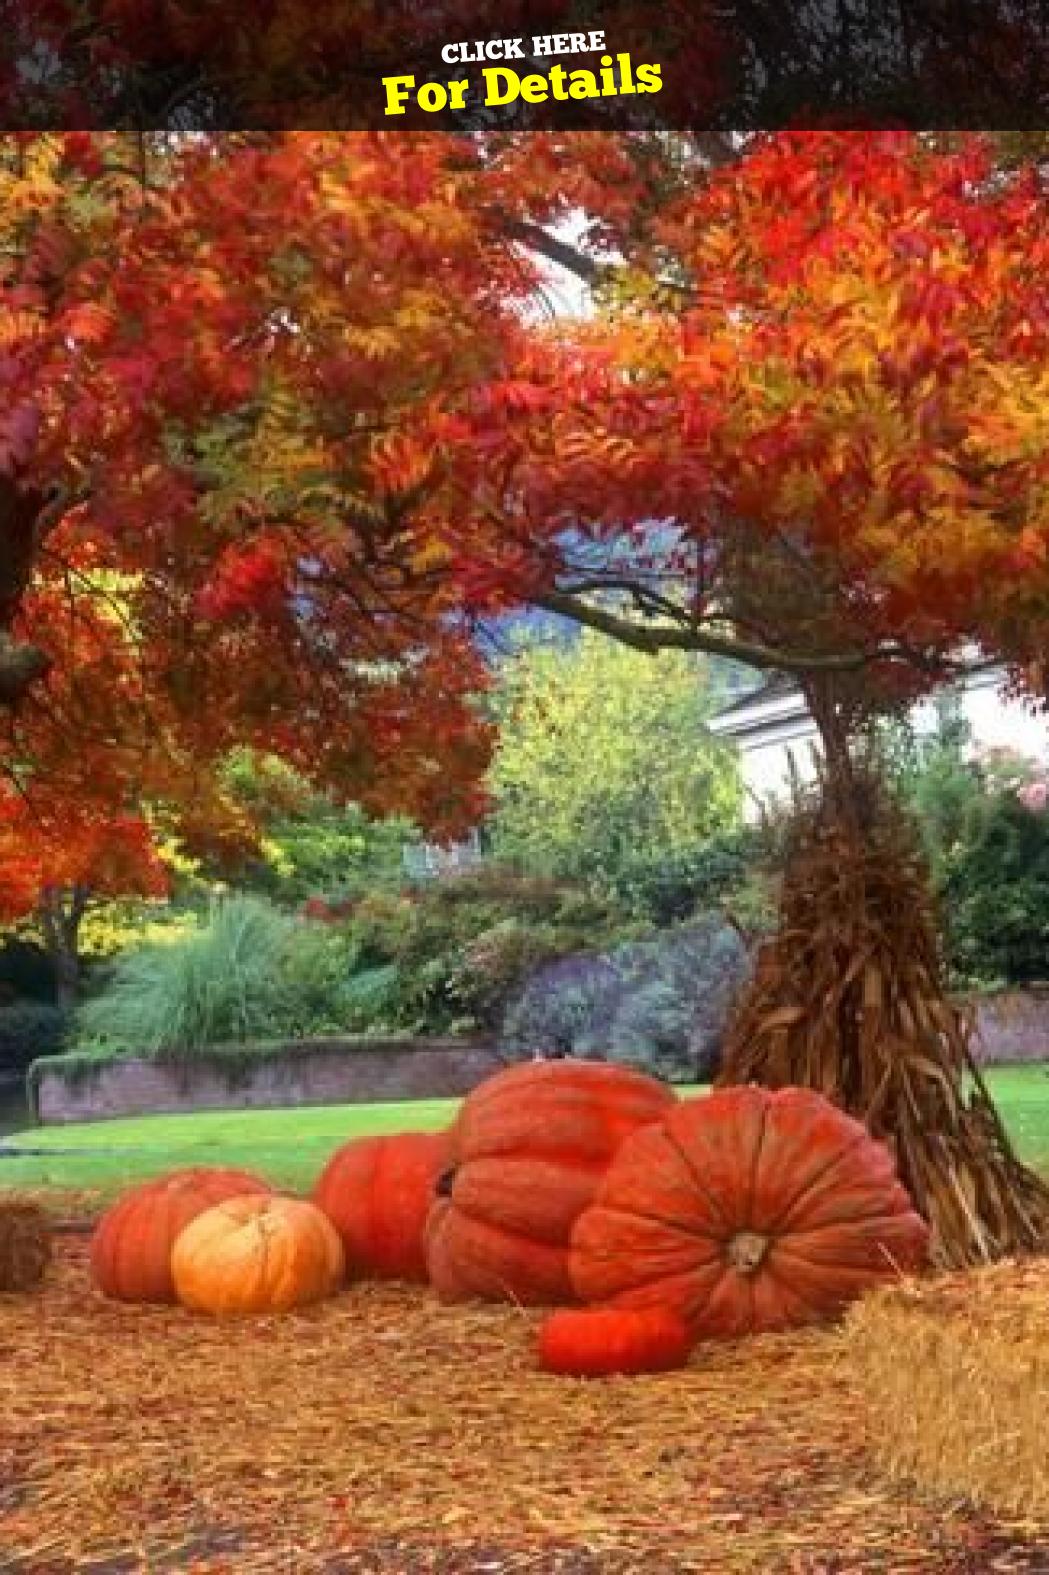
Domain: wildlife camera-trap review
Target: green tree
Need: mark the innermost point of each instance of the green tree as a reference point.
(603, 754)
(310, 845)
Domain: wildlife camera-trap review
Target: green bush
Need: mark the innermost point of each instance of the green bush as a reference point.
(29, 1029)
(445, 956)
(250, 973)
(313, 846)
(988, 853)
(725, 872)
(995, 894)
(26, 971)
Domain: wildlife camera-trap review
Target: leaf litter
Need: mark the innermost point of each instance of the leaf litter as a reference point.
(381, 1432)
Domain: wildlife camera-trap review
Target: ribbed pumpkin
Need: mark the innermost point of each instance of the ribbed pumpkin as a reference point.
(747, 1211)
(257, 1255)
(593, 1342)
(529, 1149)
(131, 1245)
(377, 1192)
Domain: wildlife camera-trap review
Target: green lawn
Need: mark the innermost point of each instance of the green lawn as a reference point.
(290, 1146)
(287, 1146)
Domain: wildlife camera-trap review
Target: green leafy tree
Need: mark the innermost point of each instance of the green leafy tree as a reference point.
(310, 844)
(603, 753)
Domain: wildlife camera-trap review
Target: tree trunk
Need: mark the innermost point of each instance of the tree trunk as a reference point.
(849, 998)
(61, 911)
(24, 521)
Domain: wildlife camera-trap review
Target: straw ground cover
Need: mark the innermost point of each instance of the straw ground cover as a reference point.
(965, 1412)
(382, 1432)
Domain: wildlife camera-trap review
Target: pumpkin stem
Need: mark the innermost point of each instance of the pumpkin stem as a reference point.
(746, 1251)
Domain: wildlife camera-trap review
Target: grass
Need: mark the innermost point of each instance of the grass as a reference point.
(287, 1146)
(290, 1146)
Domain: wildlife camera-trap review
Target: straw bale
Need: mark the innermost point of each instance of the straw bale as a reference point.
(954, 1377)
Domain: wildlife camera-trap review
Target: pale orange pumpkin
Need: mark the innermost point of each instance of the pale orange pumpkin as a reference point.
(257, 1254)
(131, 1246)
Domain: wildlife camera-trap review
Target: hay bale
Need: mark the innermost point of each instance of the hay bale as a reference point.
(954, 1374)
(25, 1245)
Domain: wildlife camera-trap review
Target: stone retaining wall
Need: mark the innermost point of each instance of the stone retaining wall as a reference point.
(1012, 1027)
(319, 1073)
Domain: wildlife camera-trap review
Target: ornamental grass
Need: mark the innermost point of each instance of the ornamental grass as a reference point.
(954, 1377)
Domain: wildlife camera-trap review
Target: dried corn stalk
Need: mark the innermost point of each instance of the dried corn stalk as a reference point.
(848, 998)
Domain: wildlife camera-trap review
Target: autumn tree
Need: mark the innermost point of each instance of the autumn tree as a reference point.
(296, 393)
(809, 433)
(273, 590)
(224, 392)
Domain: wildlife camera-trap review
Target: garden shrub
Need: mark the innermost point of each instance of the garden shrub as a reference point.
(995, 893)
(446, 956)
(724, 872)
(660, 1004)
(29, 1029)
(985, 834)
(311, 845)
(26, 971)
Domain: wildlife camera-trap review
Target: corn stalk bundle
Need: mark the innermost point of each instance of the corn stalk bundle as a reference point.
(848, 998)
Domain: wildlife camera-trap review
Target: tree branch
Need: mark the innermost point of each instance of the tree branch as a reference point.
(751, 653)
(539, 240)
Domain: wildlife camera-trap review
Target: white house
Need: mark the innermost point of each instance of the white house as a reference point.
(771, 727)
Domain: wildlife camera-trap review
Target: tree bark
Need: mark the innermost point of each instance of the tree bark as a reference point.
(61, 912)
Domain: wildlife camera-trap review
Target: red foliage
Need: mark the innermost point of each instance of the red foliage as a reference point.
(301, 418)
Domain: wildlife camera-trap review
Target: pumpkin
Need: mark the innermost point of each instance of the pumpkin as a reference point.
(529, 1147)
(257, 1254)
(747, 1211)
(377, 1192)
(596, 1341)
(131, 1245)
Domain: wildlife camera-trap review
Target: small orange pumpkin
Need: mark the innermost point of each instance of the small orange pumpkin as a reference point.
(257, 1254)
(597, 1341)
(377, 1192)
(131, 1246)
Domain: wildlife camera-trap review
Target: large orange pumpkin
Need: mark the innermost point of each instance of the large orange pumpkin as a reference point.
(594, 1342)
(377, 1192)
(747, 1211)
(257, 1254)
(131, 1245)
(529, 1148)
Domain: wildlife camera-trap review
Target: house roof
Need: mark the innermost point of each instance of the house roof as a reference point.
(775, 687)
